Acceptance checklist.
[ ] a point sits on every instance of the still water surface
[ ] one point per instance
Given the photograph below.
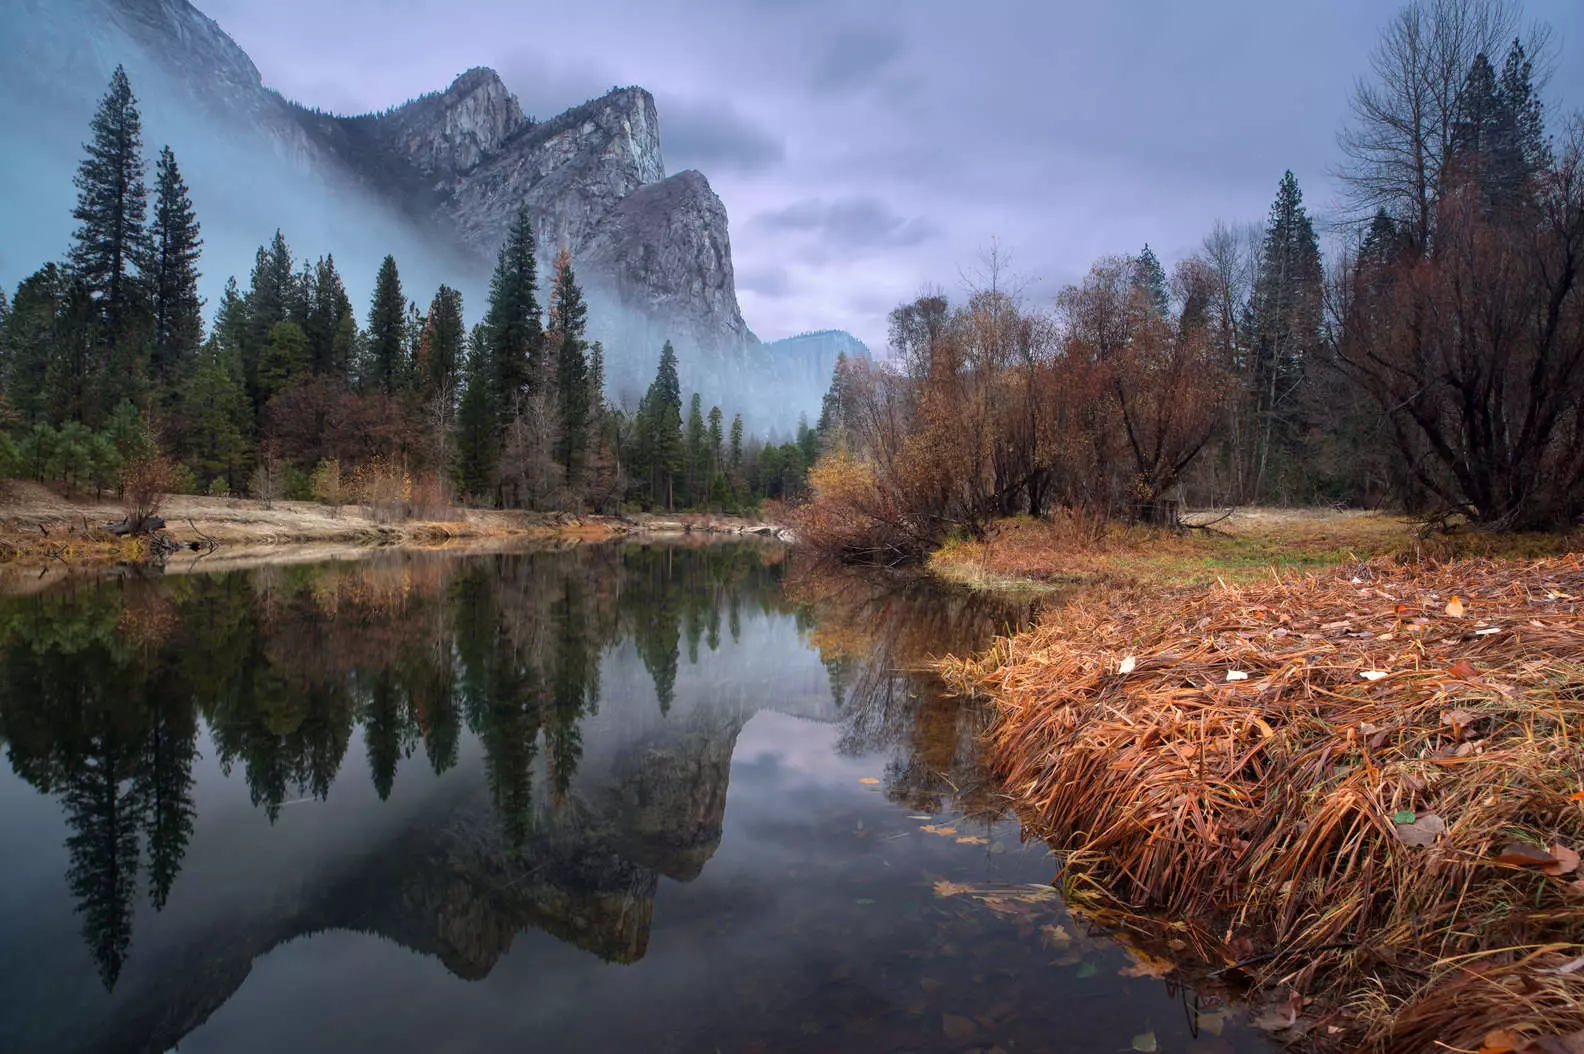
(639, 798)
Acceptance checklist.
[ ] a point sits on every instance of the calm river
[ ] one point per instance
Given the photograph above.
(633, 798)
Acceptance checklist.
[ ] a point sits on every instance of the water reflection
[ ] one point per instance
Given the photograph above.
(447, 754)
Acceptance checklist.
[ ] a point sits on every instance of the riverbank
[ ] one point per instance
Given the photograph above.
(1360, 788)
(39, 527)
(1245, 546)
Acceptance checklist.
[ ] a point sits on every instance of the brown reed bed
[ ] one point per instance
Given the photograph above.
(1364, 790)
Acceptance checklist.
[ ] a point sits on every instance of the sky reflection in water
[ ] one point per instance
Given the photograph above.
(611, 797)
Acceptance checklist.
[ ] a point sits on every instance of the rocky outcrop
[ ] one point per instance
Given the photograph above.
(665, 251)
(449, 170)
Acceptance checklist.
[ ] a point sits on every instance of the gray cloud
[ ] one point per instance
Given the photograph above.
(855, 57)
(865, 155)
(850, 223)
(713, 137)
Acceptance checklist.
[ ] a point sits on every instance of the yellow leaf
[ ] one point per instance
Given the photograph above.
(943, 888)
(1455, 607)
(931, 828)
(869, 780)
(972, 839)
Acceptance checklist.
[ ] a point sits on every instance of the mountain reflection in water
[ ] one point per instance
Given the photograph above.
(249, 768)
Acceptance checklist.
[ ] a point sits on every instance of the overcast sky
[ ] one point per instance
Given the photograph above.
(866, 150)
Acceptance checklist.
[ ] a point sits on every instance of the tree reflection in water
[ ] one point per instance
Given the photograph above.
(105, 690)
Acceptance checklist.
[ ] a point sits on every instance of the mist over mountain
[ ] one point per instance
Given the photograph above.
(435, 181)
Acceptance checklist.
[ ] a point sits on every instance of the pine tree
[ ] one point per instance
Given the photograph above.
(517, 342)
(214, 442)
(387, 329)
(29, 339)
(112, 205)
(328, 322)
(659, 438)
(439, 365)
(172, 275)
(1528, 115)
(568, 320)
(695, 450)
(477, 447)
(735, 458)
(231, 320)
(285, 359)
(1286, 323)
(271, 299)
(1149, 280)
(835, 408)
(716, 438)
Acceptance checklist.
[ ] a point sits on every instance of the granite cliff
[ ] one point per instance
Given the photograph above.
(653, 250)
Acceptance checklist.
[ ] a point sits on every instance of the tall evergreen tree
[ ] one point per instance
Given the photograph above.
(517, 342)
(30, 336)
(215, 409)
(735, 457)
(1286, 322)
(172, 275)
(387, 329)
(1149, 280)
(112, 206)
(271, 299)
(441, 349)
(695, 452)
(328, 322)
(477, 446)
(568, 320)
(659, 437)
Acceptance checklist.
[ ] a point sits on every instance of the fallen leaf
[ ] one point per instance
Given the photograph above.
(1572, 967)
(931, 828)
(1464, 670)
(1567, 862)
(1146, 965)
(1502, 1042)
(1232, 675)
(1056, 934)
(1279, 1016)
(870, 780)
(972, 839)
(1145, 1043)
(1373, 675)
(1577, 796)
(1521, 854)
(1422, 832)
(943, 888)
(1460, 720)
(1128, 665)
(957, 1026)
(1455, 607)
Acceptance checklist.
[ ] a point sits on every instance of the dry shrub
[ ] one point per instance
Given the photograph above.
(384, 488)
(1270, 809)
(145, 484)
(431, 497)
(852, 518)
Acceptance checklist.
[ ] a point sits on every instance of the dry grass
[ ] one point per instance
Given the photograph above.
(1266, 814)
(1245, 547)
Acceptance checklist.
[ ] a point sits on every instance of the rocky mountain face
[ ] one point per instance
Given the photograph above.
(653, 251)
